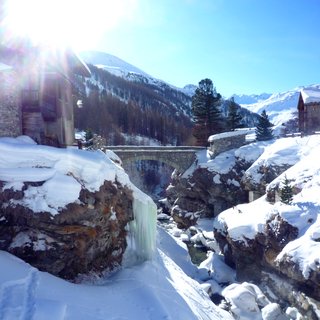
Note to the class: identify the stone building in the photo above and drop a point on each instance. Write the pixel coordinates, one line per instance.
(37, 87)
(309, 111)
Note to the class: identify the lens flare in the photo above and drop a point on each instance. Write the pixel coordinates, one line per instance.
(65, 22)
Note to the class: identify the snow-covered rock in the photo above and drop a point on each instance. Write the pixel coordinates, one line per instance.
(70, 211)
(274, 236)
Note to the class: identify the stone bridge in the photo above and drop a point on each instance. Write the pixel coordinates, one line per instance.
(180, 158)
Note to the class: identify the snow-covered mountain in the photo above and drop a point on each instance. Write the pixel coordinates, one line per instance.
(280, 107)
(245, 99)
(123, 69)
(111, 63)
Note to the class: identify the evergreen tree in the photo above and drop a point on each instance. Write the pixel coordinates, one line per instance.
(88, 134)
(263, 129)
(286, 192)
(233, 119)
(205, 110)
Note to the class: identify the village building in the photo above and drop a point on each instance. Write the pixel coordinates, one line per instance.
(38, 90)
(309, 111)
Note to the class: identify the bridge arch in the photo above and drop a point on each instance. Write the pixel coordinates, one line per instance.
(180, 158)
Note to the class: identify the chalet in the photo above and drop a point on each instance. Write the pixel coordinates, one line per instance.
(37, 92)
(309, 111)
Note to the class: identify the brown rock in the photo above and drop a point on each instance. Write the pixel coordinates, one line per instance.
(82, 238)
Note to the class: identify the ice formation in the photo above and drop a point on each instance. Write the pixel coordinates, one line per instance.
(143, 227)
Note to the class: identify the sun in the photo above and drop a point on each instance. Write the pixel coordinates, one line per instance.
(65, 22)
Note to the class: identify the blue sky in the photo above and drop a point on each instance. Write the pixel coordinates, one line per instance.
(244, 46)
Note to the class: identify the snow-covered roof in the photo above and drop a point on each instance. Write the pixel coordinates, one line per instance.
(4, 67)
(310, 96)
(227, 135)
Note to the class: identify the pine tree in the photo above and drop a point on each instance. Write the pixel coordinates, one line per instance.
(263, 129)
(286, 192)
(88, 135)
(233, 119)
(205, 110)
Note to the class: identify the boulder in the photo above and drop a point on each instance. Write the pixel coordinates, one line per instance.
(86, 236)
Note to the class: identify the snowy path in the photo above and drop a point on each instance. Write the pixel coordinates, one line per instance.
(18, 298)
(154, 290)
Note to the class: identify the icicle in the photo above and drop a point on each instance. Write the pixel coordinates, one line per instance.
(143, 227)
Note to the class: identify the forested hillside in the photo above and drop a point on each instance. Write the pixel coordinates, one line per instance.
(122, 108)
(114, 105)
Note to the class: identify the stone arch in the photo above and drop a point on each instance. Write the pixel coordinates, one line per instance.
(153, 157)
(180, 158)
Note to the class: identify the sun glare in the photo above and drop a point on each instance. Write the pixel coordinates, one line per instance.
(77, 23)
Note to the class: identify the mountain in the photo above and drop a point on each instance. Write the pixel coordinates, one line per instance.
(280, 107)
(134, 103)
(245, 99)
(123, 101)
(111, 63)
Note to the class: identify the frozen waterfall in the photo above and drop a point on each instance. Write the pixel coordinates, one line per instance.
(142, 230)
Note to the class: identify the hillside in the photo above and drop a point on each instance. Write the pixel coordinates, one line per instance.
(280, 107)
(134, 103)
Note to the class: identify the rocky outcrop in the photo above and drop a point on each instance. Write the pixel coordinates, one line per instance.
(86, 236)
(255, 260)
(266, 173)
(205, 193)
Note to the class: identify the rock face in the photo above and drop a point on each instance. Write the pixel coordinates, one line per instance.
(267, 174)
(205, 194)
(84, 237)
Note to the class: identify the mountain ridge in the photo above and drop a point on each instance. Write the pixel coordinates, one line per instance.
(280, 107)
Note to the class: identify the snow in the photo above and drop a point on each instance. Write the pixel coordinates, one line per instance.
(310, 95)
(229, 134)
(157, 289)
(304, 251)
(245, 221)
(252, 152)
(222, 163)
(279, 106)
(221, 273)
(216, 179)
(4, 67)
(61, 175)
(245, 299)
(272, 311)
(111, 63)
(281, 152)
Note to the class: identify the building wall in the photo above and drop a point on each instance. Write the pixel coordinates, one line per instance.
(10, 114)
(312, 117)
(224, 144)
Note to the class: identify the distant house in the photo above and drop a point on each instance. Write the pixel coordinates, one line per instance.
(309, 111)
(36, 92)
